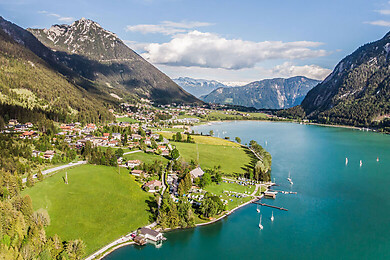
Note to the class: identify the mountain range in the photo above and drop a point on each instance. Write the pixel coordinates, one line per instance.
(357, 92)
(85, 57)
(275, 93)
(198, 87)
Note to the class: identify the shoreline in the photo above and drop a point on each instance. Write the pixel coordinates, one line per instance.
(112, 249)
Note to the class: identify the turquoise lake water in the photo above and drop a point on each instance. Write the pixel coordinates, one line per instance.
(340, 212)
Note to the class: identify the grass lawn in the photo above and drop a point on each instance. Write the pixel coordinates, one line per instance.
(231, 158)
(145, 157)
(201, 139)
(126, 119)
(98, 205)
(221, 115)
(232, 201)
(173, 129)
(125, 150)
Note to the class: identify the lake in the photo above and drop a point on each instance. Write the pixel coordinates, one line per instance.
(340, 212)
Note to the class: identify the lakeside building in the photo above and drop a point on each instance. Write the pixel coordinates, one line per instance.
(150, 234)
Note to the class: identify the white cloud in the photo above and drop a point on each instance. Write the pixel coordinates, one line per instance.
(384, 11)
(59, 17)
(166, 27)
(212, 51)
(379, 23)
(287, 69)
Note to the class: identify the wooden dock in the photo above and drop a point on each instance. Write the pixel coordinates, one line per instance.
(271, 206)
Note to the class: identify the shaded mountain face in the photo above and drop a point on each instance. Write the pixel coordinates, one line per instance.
(30, 86)
(100, 56)
(269, 93)
(198, 87)
(357, 92)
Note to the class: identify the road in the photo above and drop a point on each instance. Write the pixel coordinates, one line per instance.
(133, 152)
(57, 169)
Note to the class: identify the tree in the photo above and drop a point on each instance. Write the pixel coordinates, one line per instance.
(30, 180)
(40, 175)
(211, 132)
(175, 154)
(238, 139)
(75, 249)
(178, 137)
(205, 179)
(119, 152)
(160, 138)
(211, 205)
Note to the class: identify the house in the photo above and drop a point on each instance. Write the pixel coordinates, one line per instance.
(140, 240)
(106, 135)
(196, 173)
(48, 155)
(161, 147)
(153, 185)
(137, 173)
(116, 136)
(150, 234)
(165, 153)
(13, 122)
(133, 163)
(36, 153)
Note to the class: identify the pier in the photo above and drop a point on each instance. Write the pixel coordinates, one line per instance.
(275, 207)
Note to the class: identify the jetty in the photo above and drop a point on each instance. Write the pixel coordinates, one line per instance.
(271, 206)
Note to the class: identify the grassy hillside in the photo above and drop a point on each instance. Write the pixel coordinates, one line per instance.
(28, 82)
(231, 158)
(98, 205)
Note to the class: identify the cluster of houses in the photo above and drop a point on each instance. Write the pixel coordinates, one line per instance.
(25, 131)
(47, 155)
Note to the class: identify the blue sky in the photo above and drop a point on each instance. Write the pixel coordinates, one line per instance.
(234, 41)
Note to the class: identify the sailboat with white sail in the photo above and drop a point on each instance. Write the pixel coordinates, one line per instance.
(260, 226)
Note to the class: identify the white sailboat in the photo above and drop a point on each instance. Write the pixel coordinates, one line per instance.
(346, 161)
(377, 159)
(289, 179)
(272, 217)
(260, 226)
(258, 210)
(361, 163)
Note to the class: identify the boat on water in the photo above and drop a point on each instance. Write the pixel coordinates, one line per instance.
(361, 163)
(260, 226)
(377, 159)
(258, 210)
(289, 179)
(346, 161)
(272, 217)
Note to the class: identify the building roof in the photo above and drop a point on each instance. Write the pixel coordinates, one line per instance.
(197, 172)
(148, 231)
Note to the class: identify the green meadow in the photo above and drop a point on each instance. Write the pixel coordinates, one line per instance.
(98, 205)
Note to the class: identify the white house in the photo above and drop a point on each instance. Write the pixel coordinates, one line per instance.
(150, 234)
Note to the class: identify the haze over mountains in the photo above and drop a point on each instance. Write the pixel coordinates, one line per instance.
(275, 93)
(198, 87)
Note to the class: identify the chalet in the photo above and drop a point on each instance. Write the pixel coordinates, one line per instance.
(136, 136)
(161, 147)
(116, 136)
(112, 143)
(196, 173)
(133, 163)
(137, 173)
(153, 185)
(165, 153)
(150, 234)
(147, 141)
(48, 155)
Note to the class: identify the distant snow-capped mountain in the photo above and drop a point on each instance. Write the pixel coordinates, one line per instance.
(198, 87)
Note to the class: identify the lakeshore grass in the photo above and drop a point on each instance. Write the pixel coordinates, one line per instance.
(98, 205)
(233, 159)
(127, 119)
(229, 115)
(203, 139)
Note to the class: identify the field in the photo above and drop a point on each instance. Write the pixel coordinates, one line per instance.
(223, 115)
(231, 158)
(201, 139)
(145, 157)
(233, 202)
(98, 205)
(126, 119)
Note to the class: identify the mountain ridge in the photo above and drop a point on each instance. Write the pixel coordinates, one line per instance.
(273, 93)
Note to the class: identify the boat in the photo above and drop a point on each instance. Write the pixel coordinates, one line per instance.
(346, 161)
(258, 210)
(361, 163)
(260, 226)
(289, 179)
(377, 159)
(272, 217)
